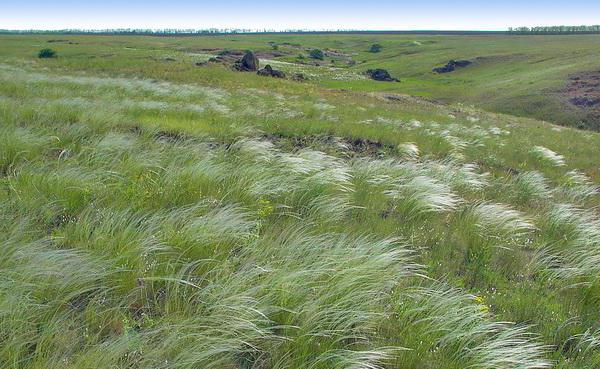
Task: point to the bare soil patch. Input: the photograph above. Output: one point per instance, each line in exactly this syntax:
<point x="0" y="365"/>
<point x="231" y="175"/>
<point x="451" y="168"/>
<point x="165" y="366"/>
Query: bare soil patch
<point x="583" y="92"/>
<point x="239" y="53"/>
<point x="351" y="146"/>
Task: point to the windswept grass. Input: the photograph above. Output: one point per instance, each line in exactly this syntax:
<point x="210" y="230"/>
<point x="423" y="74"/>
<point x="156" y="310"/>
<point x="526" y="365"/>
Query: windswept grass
<point x="244" y="223"/>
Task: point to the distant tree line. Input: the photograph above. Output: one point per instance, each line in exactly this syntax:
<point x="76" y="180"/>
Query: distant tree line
<point x="555" y="30"/>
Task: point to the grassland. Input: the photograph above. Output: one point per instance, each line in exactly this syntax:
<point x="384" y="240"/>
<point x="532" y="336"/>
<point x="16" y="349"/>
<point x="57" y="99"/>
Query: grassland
<point x="156" y="214"/>
<point x="518" y="75"/>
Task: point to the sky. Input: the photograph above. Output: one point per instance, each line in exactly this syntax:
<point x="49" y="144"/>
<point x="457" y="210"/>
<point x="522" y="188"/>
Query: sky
<point x="297" y="14"/>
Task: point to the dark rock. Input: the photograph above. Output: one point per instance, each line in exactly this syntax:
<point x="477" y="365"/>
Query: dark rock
<point x="451" y="66"/>
<point x="268" y="71"/>
<point x="445" y="69"/>
<point x="381" y="75"/>
<point x="248" y="63"/>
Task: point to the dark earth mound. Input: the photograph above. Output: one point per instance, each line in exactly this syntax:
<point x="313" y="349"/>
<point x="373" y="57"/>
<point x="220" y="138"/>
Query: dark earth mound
<point x="452" y="65"/>
<point x="381" y="75"/>
<point x="352" y="146"/>
<point x="268" y="71"/>
<point x="61" y="41"/>
<point x="583" y="92"/>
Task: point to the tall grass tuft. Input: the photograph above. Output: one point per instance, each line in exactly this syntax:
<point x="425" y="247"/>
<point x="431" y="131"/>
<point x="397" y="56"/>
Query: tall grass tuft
<point x="548" y="156"/>
<point x="500" y="220"/>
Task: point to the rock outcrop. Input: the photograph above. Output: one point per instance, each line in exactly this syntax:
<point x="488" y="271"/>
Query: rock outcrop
<point x="451" y="66"/>
<point x="268" y="71"/>
<point x="248" y="63"/>
<point x="381" y="75"/>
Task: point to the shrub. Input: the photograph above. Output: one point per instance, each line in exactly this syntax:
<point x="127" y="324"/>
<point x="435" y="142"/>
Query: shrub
<point x="375" y="48"/>
<point x="47" y="53"/>
<point x="317" y="54"/>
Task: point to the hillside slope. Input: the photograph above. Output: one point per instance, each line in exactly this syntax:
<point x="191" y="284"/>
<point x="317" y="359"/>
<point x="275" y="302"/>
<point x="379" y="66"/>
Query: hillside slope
<point x="529" y="76"/>
<point x="157" y="215"/>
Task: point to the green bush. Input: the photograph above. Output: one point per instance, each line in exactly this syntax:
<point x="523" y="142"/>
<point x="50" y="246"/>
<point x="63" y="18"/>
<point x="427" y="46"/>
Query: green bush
<point x="375" y="48"/>
<point x="317" y="54"/>
<point x="47" y="53"/>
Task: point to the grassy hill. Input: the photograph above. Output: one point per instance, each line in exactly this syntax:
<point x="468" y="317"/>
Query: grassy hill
<point x="159" y="214"/>
<point x="527" y="76"/>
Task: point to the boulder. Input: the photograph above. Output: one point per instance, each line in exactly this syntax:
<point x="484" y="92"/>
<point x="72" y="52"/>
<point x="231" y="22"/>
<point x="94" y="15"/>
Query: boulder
<point x="451" y="66"/>
<point x="248" y="63"/>
<point x="268" y="71"/>
<point x="381" y="75"/>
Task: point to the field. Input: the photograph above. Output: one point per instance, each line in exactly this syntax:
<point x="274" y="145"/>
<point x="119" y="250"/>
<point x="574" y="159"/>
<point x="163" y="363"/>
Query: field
<point x="528" y="76"/>
<point x="159" y="214"/>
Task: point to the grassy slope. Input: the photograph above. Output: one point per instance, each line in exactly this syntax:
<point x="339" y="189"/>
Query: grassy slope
<point x="518" y="75"/>
<point x="198" y="217"/>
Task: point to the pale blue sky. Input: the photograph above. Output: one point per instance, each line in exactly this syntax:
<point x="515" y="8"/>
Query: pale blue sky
<point x="306" y="14"/>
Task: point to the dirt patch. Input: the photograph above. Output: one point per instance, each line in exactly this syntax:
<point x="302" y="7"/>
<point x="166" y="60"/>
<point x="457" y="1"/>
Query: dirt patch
<point x="452" y="65"/>
<point x="336" y="54"/>
<point x="351" y="147"/>
<point x="270" y="54"/>
<point x="400" y="98"/>
<point x="583" y="92"/>
<point x="63" y="42"/>
<point x="367" y="147"/>
<point x="225" y="53"/>
<point x="235" y="58"/>
<point x="169" y="136"/>
<point x="501" y="58"/>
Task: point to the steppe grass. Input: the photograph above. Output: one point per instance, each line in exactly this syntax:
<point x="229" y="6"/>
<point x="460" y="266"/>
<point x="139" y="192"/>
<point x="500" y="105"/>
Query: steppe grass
<point x="157" y="223"/>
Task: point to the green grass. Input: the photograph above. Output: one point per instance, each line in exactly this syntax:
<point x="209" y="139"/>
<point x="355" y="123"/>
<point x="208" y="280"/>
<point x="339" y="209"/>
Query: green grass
<point x="517" y="75"/>
<point x="155" y="214"/>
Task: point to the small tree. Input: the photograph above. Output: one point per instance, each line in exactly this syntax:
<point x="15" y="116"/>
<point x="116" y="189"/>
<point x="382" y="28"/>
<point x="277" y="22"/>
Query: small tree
<point x="375" y="48"/>
<point x="317" y="54"/>
<point x="46" y="53"/>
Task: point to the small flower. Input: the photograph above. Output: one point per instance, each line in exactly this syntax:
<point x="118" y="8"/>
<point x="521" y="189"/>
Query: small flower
<point x="480" y="300"/>
<point x="265" y="208"/>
